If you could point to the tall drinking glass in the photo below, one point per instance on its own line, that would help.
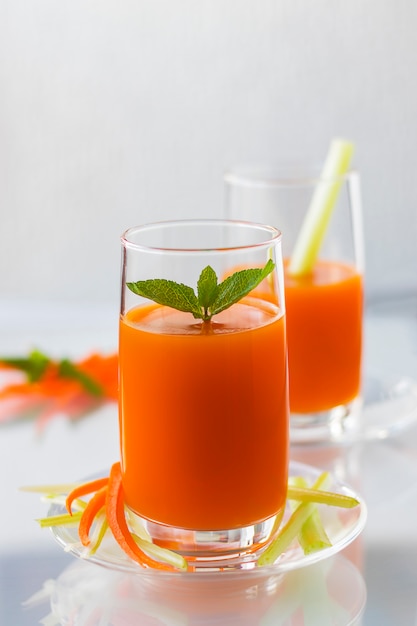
(324, 306)
(204, 400)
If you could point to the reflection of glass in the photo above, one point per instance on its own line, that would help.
(324, 307)
(331, 593)
(204, 404)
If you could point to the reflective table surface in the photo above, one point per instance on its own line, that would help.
(373, 582)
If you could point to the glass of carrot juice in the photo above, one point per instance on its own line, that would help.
(324, 305)
(204, 414)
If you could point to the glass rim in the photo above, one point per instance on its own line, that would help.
(282, 175)
(274, 237)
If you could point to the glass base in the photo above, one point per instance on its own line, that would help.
(332, 426)
(215, 548)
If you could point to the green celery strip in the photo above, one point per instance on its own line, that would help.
(321, 497)
(287, 534)
(77, 504)
(136, 526)
(312, 536)
(161, 554)
(100, 529)
(317, 218)
(60, 520)
(50, 489)
(290, 530)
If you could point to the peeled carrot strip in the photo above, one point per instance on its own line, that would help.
(93, 507)
(103, 370)
(115, 513)
(16, 389)
(84, 489)
(59, 387)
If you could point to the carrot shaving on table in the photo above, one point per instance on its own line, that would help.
(43, 388)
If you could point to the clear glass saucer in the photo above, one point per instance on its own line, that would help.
(342, 527)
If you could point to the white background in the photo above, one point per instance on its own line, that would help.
(117, 112)
(114, 113)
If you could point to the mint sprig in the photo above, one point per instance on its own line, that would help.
(67, 369)
(211, 298)
(34, 366)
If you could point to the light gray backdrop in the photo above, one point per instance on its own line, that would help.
(114, 113)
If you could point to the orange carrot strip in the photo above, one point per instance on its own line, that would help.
(94, 505)
(16, 389)
(104, 370)
(84, 489)
(81, 405)
(115, 513)
(53, 392)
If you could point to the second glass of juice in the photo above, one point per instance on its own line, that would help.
(204, 411)
(324, 306)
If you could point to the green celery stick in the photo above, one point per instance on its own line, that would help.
(60, 520)
(100, 530)
(287, 534)
(161, 554)
(312, 536)
(290, 530)
(317, 218)
(50, 489)
(321, 497)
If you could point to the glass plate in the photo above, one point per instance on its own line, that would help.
(342, 527)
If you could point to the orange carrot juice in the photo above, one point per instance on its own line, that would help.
(324, 333)
(204, 415)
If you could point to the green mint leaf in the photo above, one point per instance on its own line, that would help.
(34, 365)
(239, 285)
(67, 369)
(207, 288)
(212, 297)
(168, 293)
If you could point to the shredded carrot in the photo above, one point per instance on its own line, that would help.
(94, 506)
(63, 387)
(115, 513)
(104, 370)
(84, 489)
(16, 389)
